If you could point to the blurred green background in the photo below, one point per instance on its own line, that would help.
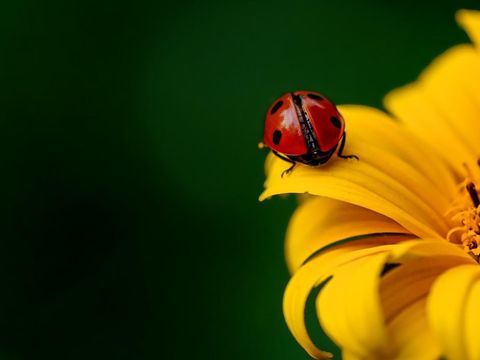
(130, 172)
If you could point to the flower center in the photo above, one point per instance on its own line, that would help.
(467, 218)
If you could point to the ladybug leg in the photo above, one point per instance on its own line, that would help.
(289, 170)
(340, 150)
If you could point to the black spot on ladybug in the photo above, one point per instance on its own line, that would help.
(315, 97)
(277, 106)
(334, 120)
(277, 136)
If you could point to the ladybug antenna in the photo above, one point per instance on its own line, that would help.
(261, 145)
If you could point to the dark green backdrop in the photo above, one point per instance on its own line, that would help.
(130, 227)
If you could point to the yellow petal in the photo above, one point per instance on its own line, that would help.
(348, 356)
(470, 21)
(412, 336)
(375, 128)
(361, 185)
(410, 282)
(447, 306)
(452, 84)
(411, 250)
(319, 222)
(350, 310)
(442, 107)
(315, 272)
(384, 180)
(472, 324)
(391, 311)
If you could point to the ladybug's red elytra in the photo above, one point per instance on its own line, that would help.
(305, 127)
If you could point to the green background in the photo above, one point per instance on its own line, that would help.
(130, 170)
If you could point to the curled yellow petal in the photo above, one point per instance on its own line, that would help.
(361, 185)
(404, 291)
(410, 250)
(413, 280)
(314, 273)
(319, 222)
(446, 307)
(392, 307)
(350, 310)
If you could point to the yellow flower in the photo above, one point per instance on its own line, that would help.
(394, 237)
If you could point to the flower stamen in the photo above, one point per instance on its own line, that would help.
(466, 213)
(472, 191)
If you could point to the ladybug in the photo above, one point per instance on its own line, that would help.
(305, 127)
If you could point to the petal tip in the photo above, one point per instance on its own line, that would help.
(464, 16)
(397, 95)
(469, 20)
(263, 196)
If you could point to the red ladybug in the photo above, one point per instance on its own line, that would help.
(305, 127)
